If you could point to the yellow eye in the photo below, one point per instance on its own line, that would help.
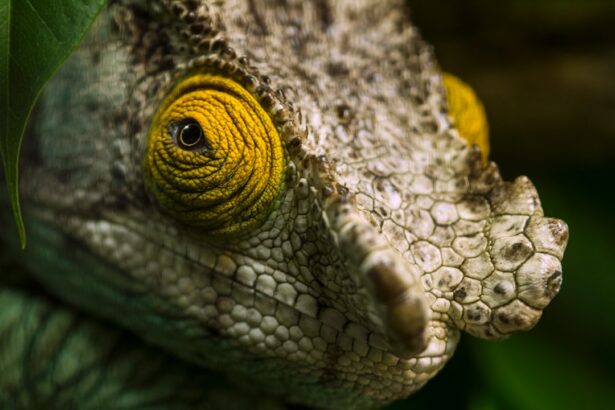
(214, 158)
(467, 113)
(189, 135)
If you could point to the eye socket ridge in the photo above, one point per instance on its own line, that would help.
(188, 135)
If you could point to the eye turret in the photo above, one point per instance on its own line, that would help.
(214, 160)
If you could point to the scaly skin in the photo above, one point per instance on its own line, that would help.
(72, 362)
(389, 234)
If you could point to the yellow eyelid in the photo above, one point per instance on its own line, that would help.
(467, 113)
(232, 191)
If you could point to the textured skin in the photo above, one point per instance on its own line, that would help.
(389, 237)
(73, 362)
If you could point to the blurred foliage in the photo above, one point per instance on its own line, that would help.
(544, 70)
(26, 28)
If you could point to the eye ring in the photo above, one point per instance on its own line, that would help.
(189, 136)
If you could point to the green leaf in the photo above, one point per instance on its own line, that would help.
(36, 36)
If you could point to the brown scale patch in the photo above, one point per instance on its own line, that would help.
(560, 233)
(518, 322)
(553, 284)
(474, 315)
(499, 289)
(344, 112)
(337, 69)
(460, 294)
(517, 252)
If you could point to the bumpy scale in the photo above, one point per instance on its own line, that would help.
(378, 233)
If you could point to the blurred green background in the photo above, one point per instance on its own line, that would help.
(545, 70)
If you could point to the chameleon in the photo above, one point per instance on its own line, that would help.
(262, 203)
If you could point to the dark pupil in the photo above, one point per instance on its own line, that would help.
(190, 134)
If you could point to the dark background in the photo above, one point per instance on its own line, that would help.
(545, 70)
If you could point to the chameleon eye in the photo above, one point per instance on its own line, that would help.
(467, 113)
(214, 158)
(189, 136)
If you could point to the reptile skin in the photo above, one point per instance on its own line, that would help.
(383, 236)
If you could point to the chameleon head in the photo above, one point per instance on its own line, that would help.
(309, 212)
